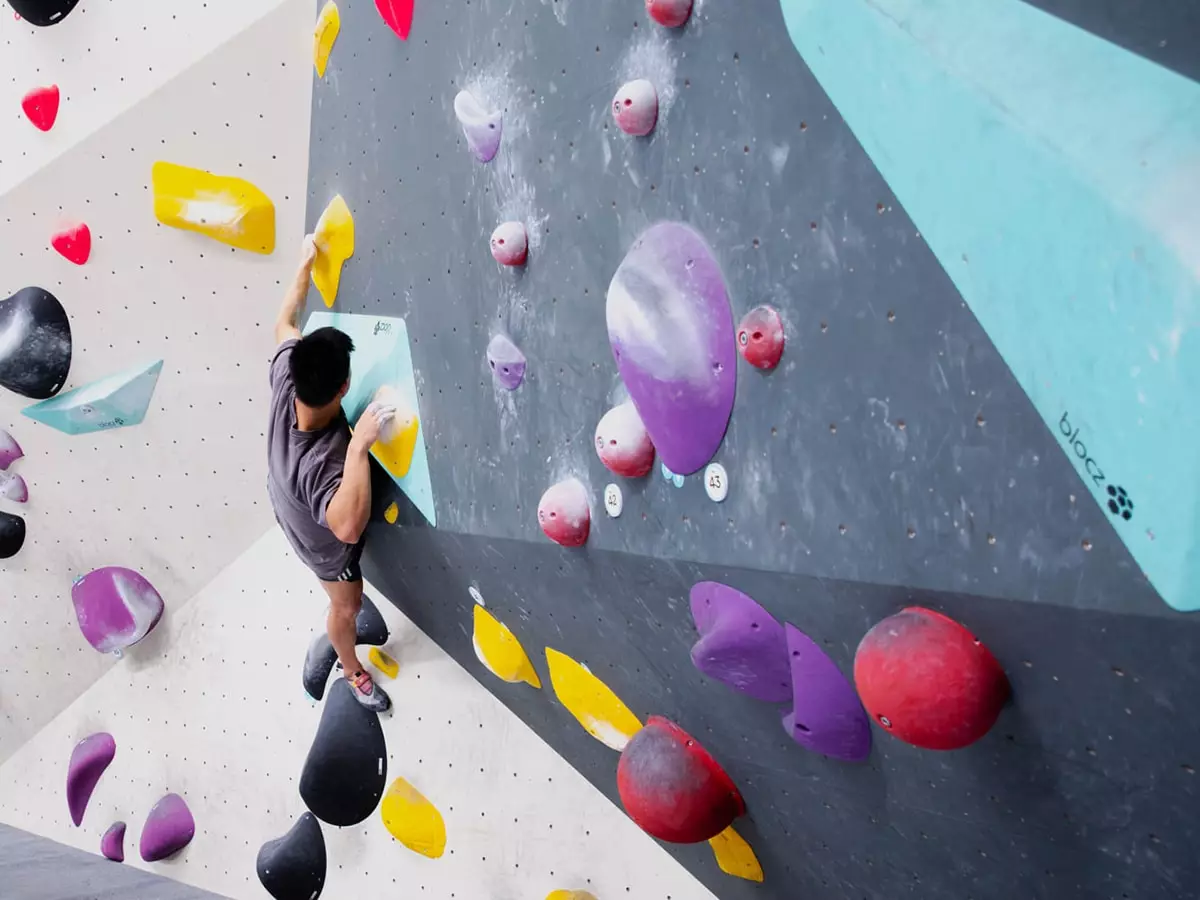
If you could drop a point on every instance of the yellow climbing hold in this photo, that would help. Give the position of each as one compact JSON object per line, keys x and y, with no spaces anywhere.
{"x":413,"y":820}
{"x":735,"y":856}
{"x":383,"y":662}
{"x":392,"y":513}
{"x":226,"y":209}
{"x":500,"y":651}
{"x":334,"y":236}
{"x":398,"y":440}
{"x":329,"y":24}
{"x":591,"y":701}
{"x":570,"y":895}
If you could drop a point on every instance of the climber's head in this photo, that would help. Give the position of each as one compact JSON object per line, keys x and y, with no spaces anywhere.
{"x":320,"y":367}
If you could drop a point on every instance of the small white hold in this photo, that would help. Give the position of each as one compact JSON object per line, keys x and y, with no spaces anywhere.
{"x":614,"y":500}
{"x":476,"y":596}
{"x":716,"y":482}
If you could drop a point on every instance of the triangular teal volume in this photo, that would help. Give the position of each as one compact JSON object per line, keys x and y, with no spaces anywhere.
{"x":382,"y":357}
{"x":117,"y":401}
{"x":1055,"y":177}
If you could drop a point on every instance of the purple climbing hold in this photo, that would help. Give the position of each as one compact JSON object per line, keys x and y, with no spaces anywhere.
{"x":89,"y":759}
{"x":481,"y":128}
{"x":168,"y":829}
{"x":507,"y":362}
{"x":671,"y":330}
{"x":112,"y":845}
{"x":10,"y":450}
{"x":741,"y":644}
{"x":827,"y":716}
{"x":13,"y":487}
{"x":115,"y":607}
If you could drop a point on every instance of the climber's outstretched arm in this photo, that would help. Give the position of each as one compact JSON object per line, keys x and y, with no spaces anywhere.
{"x":287,"y":326}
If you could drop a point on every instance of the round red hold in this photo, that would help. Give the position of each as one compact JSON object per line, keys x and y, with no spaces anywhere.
{"x":74,"y":243}
{"x":635,"y":108}
{"x":670,"y":13}
{"x":564,"y":515}
{"x":672,"y":788}
{"x":623,"y":444}
{"x":928,"y":681}
{"x":510,"y":244}
{"x":760,"y":337}
{"x":41,"y":106}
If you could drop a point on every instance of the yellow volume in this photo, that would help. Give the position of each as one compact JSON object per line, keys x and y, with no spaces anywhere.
{"x":226,"y":209}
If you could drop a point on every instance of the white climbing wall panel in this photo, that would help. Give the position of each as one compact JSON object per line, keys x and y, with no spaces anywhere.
{"x":224,"y":85}
{"x":217,"y":713}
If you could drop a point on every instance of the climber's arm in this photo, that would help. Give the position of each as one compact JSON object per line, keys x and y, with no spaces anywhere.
{"x":287,"y":325}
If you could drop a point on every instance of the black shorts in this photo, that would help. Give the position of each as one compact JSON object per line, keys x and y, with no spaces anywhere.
{"x":353,"y":571}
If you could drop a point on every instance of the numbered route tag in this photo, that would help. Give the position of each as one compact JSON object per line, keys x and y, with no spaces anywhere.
{"x":716,"y":482}
{"x":614,"y":501}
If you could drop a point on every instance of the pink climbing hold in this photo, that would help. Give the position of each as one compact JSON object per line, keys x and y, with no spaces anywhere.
{"x":41,"y":106}
{"x":168,"y":829}
{"x":398,"y":14}
{"x":635,"y":108}
{"x":670,"y":13}
{"x":622,"y":442}
{"x":564,"y":515}
{"x":74,"y":243}
{"x":10,"y":450}
{"x":760,"y":338}
{"x":89,"y":759}
{"x":116,"y":607}
{"x":112,"y":845}
{"x":510,"y":244}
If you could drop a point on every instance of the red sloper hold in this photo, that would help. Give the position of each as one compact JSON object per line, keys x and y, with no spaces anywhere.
{"x":929,"y":681}
{"x":41,"y":106}
{"x":398,"y":14}
{"x":760,"y":338}
{"x":564,"y":513}
{"x":669,"y":13}
{"x":672,"y":789}
{"x":74,"y":243}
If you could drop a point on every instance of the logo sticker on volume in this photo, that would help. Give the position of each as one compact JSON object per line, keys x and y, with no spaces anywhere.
{"x":1119,"y":502}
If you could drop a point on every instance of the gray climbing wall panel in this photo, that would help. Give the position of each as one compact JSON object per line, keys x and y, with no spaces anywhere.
{"x":890,"y":459}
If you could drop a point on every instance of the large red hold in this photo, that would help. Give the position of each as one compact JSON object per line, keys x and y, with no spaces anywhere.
{"x":398,"y":14}
{"x":41,"y":106}
{"x":672,"y":789}
{"x":929,"y":681}
{"x":669,"y":13}
{"x":622,"y":442}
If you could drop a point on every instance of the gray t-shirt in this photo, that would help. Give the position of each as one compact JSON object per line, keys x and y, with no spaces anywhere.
{"x":304,"y":469}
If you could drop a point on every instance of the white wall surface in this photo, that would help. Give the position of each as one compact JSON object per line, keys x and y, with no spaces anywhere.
{"x":224,"y":85}
{"x":217,"y":713}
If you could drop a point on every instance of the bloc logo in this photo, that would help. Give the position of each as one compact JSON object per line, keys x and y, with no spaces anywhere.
{"x":1119,"y":503}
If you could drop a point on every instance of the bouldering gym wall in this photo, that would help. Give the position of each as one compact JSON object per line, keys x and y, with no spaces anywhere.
{"x":794,"y":487}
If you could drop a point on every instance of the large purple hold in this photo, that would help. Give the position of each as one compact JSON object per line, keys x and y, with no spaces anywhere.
{"x":671,"y":330}
{"x":827,"y":716}
{"x":115,"y":607}
{"x":112,"y":845}
{"x":10,"y":450}
{"x":740,"y":643}
{"x":169,"y":828}
{"x":507,"y":362}
{"x":89,"y":759}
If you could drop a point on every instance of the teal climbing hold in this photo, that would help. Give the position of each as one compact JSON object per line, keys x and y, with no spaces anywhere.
{"x":117,"y":401}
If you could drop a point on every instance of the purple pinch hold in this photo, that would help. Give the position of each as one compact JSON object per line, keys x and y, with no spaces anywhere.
{"x":112,"y":845}
{"x":89,"y":760}
{"x":10,"y":450}
{"x":168,"y":829}
{"x":827,"y":717}
{"x":741,"y":644}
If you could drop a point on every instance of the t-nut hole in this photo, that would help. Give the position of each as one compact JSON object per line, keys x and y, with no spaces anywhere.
{"x":884,"y":721}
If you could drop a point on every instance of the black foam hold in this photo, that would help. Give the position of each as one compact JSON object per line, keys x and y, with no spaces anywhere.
{"x":293,"y":867}
{"x":43,"y":12}
{"x":344,"y":774}
{"x":35,"y":343}
{"x":12,"y":535}
{"x":370,"y":628}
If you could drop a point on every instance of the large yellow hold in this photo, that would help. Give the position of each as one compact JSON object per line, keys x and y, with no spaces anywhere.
{"x":499,"y":650}
{"x":226,"y":209}
{"x":334,"y":236}
{"x":398,"y":439}
{"x":413,"y":820}
{"x":601,"y":712}
{"x":735,"y":856}
{"x":329,"y":25}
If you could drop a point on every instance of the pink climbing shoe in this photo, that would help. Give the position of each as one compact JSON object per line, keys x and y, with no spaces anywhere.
{"x":368,"y":693}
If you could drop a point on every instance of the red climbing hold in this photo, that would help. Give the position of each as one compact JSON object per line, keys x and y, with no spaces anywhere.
{"x":398,"y":14}
{"x":929,"y":681}
{"x":669,"y":13}
{"x":75,"y":243}
{"x":672,"y":788}
{"x":760,"y":338}
{"x":622,"y":442}
{"x":510,"y":244}
{"x":564,"y":514}
{"x":41,"y":106}
{"x":635,"y":108}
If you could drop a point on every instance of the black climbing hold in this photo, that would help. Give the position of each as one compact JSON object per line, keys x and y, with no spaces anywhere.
{"x":43,"y":12}
{"x":344,"y":775}
{"x":35,"y":343}
{"x":318,"y":663}
{"x":12,"y":535}
{"x":293,"y":867}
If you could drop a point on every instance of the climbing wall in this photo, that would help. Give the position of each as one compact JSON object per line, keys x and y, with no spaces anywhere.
{"x":224,"y":85}
{"x":906,"y":450}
